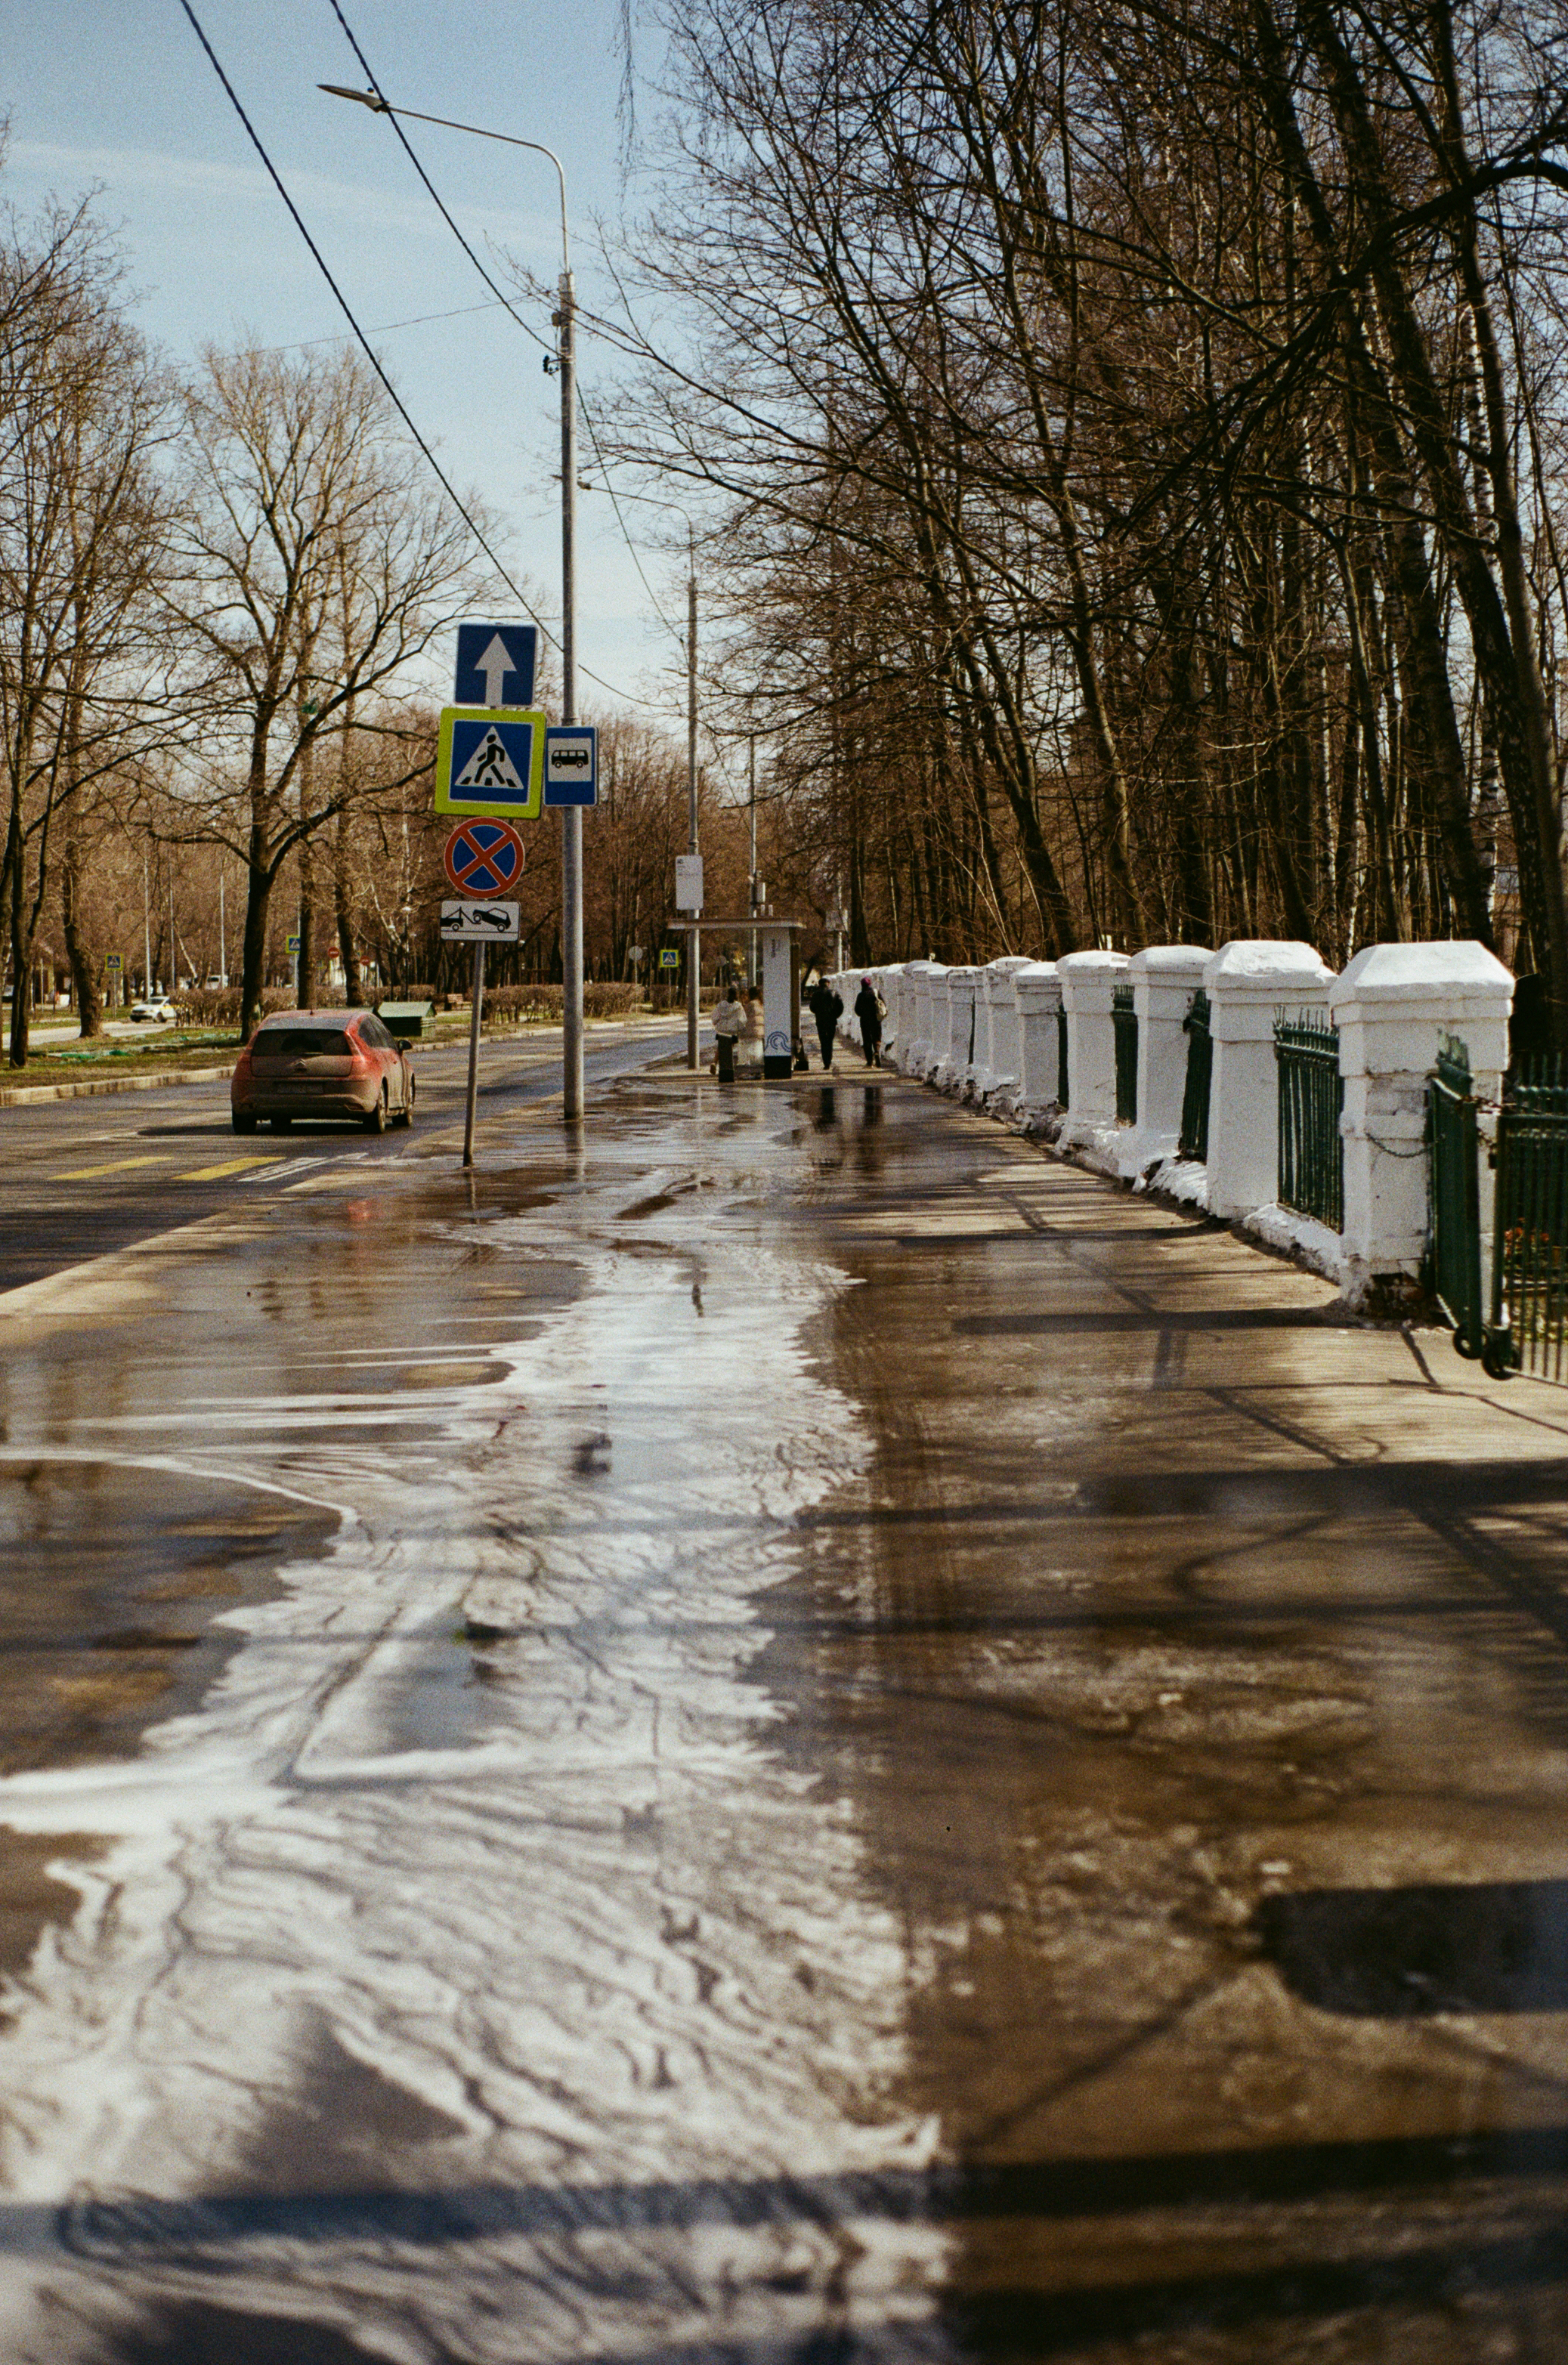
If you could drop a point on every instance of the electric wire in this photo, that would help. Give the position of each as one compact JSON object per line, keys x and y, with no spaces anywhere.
{"x":397,"y":399}
{"x":526,"y":326}
{"x":340,"y":336}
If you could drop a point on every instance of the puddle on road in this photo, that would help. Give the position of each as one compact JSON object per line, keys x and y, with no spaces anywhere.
{"x":487,"y":1816}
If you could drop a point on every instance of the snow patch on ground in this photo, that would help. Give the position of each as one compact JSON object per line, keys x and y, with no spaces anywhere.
{"x":1184,"y":1180}
{"x":1298,"y":1236}
{"x":488,"y":1810}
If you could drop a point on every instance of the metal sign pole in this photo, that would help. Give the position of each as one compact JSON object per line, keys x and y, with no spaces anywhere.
{"x":571,"y":818}
{"x":493,"y":680}
{"x":693,"y":942}
{"x":474,"y":1054}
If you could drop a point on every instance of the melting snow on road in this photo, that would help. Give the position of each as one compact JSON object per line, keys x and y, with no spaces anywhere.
{"x":510,"y":1996}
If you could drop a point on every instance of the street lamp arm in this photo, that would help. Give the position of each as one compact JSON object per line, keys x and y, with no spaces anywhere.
{"x":476,"y":130}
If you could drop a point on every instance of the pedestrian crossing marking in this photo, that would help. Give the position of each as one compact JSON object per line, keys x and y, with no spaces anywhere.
{"x":111,"y":1166}
{"x":489,"y":767}
{"x":230,"y":1166}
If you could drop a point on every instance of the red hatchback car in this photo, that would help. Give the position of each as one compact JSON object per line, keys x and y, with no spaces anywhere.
{"x":339,"y":1064}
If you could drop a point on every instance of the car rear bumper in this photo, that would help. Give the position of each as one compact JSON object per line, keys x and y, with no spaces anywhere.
{"x":293,"y":1100}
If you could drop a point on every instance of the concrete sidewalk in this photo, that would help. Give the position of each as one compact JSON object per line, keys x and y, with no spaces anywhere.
{"x":927,"y":1761}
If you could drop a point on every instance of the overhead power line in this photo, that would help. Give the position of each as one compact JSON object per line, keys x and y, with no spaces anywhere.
{"x":526,"y":326}
{"x":370,"y":354}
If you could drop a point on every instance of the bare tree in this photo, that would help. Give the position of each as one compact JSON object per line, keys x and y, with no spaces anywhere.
{"x":315,"y":566}
{"x":81,"y":541}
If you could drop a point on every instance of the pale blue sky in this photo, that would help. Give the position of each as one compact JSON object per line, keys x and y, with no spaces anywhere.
{"x":120,"y":94}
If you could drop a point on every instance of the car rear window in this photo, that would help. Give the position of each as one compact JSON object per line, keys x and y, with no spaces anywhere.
{"x":301,"y":1043}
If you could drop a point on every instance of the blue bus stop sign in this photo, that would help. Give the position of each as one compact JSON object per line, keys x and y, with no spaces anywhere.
{"x":571,"y":764}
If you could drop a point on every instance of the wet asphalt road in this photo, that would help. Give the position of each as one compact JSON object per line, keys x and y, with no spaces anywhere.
{"x":791,"y":1732}
{"x":81,"y":1178}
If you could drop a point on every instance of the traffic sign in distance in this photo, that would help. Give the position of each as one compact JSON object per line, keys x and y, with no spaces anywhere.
{"x":669,"y":957}
{"x":113,"y":961}
{"x":495,"y":665}
{"x":571,"y":764}
{"x":296,"y":944}
{"x":479,"y":924}
{"x":490,"y":760}
{"x":483,"y":857}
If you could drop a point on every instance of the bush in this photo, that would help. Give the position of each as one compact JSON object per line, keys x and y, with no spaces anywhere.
{"x":219,"y":1005}
{"x":541,"y":1003}
{"x":523,"y":1003}
{"x":611,"y":1001}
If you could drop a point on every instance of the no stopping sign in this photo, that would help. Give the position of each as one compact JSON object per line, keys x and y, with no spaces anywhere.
{"x":484,"y":857}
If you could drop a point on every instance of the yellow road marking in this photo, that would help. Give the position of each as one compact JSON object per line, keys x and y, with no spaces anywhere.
{"x":114,"y":1166}
{"x":230,"y":1166}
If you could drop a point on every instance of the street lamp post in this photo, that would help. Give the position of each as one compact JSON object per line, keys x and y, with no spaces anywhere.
{"x":694,"y":962}
{"x":571,"y":816}
{"x":694,"y":959}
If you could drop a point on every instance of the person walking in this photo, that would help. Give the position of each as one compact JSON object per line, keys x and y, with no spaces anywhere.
{"x":729,"y":1021}
{"x":751,"y":1001}
{"x":827,"y":1010}
{"x":870,"y":1010}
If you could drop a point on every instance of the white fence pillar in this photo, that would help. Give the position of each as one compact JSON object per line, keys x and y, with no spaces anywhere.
{"x":916,"y":1056}
{"x":1392,"y":1006}
{"x":1087,"y":980}
{"x":1249,"y":983}
{"x":889,"y":981}
{"x":1164,"y":980}
{"x":1036,"y":993}
{"x":941,"y":1025}
{"x":952,"y":1069}
{"x":996,"y":1059}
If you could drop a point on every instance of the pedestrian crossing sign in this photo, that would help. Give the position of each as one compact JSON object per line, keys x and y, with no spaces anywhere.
{"x":490,"y":760}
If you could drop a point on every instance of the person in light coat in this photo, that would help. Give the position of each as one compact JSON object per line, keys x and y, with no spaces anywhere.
{"x":754,"y":1026}
{"x":729,"y":1022}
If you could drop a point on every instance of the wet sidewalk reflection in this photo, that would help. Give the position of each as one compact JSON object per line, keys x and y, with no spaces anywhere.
{"x":863,"y":1747}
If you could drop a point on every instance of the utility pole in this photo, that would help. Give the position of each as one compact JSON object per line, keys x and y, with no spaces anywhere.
{"x":752,"y":902}
{"x":571,"y":816}
{"x":694,"y":941}
{"x":146,"y":933}
{"x":222,"y":934}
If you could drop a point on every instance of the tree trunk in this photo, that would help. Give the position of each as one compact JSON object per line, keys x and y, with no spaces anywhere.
{"x":83,"y":969}
{"x":348,"y":950}
{"x":258,"y":896}
{"x":21,"y":946}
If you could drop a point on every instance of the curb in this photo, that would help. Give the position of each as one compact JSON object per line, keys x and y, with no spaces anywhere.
{"x":93,"y":1088}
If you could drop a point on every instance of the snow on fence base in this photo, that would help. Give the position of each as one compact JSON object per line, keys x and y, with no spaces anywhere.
{"x":1089,"y":1124}
{"x":989,"y":1034}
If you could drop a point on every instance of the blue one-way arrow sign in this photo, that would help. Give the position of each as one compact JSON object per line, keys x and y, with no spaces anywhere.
{"x":495,"y":665}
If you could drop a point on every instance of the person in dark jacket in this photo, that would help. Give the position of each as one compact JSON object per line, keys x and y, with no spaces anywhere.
{"x":870,"y":1010}
{"x":827,"y":1010}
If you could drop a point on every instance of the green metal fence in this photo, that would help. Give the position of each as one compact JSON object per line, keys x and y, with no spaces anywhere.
{"x":1062,"y":1055}
{"x":1195,"y":1141}
{"x":1529,"y":1330}
{"x":1312,"y":1094}
{"x":1124,"y":1026}
{"x":1453,"y":1150}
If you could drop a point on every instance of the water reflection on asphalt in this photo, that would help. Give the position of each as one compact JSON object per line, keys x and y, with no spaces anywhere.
{"x":858,"y":1778}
